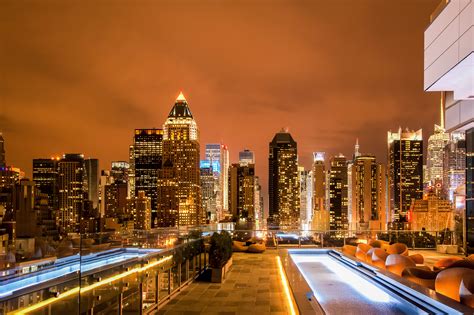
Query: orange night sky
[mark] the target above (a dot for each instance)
(79, 76)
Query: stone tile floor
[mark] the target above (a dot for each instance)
(252, 287)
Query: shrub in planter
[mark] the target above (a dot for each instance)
(220, 250)
(220, 255)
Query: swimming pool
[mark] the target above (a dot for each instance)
(335, 284)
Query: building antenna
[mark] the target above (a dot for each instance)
(442, 103)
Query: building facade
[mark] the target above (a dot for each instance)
(454, 167)
(320, 216)
(210, 190)
(217, 155)
(432, 214)
(147, 153)
(181, 154)
(367, 193)
(435, 155)
(242, 192)
(405, 173)
(45, 175)
(91, 181)
(448, 68)
(338, 193)
(70, 192)
(283, 183)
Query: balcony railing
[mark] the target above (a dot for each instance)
(137, 271)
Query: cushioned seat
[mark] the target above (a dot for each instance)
(421, 276)
(256, 248)
(448, 281)
(464, 263)
(362, 250)
(417, 258)
(378, 258)
(349, 250)
(368, 255)
(445, 262)
(398, 248)
(396, 263)
(239, 246)
(375, 243)
(466, 290)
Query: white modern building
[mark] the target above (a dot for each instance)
(449, 68)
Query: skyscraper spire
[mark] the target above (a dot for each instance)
(181, 97)
(443, 100)
(356, 148)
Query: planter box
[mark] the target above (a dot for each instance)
(452, 249)
(441, 249)
(447, 249)
(218, 274)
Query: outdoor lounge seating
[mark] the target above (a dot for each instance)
(445, 262)
(448, 281)
(239, 246)
(349, 250)
(396, 263)
(251, 246)
(466, 290)
(421, 276)
(378, 258)
(398, 248)
(361, 251)
(256, 248)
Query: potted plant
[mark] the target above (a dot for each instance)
(220, 255)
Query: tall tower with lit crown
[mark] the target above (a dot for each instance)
(179, 189)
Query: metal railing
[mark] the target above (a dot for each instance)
(137, 271)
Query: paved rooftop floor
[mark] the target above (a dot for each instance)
(252, 287)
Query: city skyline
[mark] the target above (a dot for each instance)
(111, 111)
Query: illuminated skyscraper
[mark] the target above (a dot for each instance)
(91, 181)
(246, 157)
(3, 162)
(142, 205)
(180, 184)
(147, 153)
(259, 211)
(283, 183)
(367, 208)
(303, 178)
(71, 192)
(242, 191)
(45, 176)
(434, 157)
(405, 173)
(209, 189)
(120, 171)
(131, 172)
(454, 167)
(338, 216)
(320, 216)
(219, 155)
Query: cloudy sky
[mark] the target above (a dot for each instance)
(79, 76)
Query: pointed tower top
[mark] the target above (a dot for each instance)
(180, 108)
(356, 149)
(181, 97)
